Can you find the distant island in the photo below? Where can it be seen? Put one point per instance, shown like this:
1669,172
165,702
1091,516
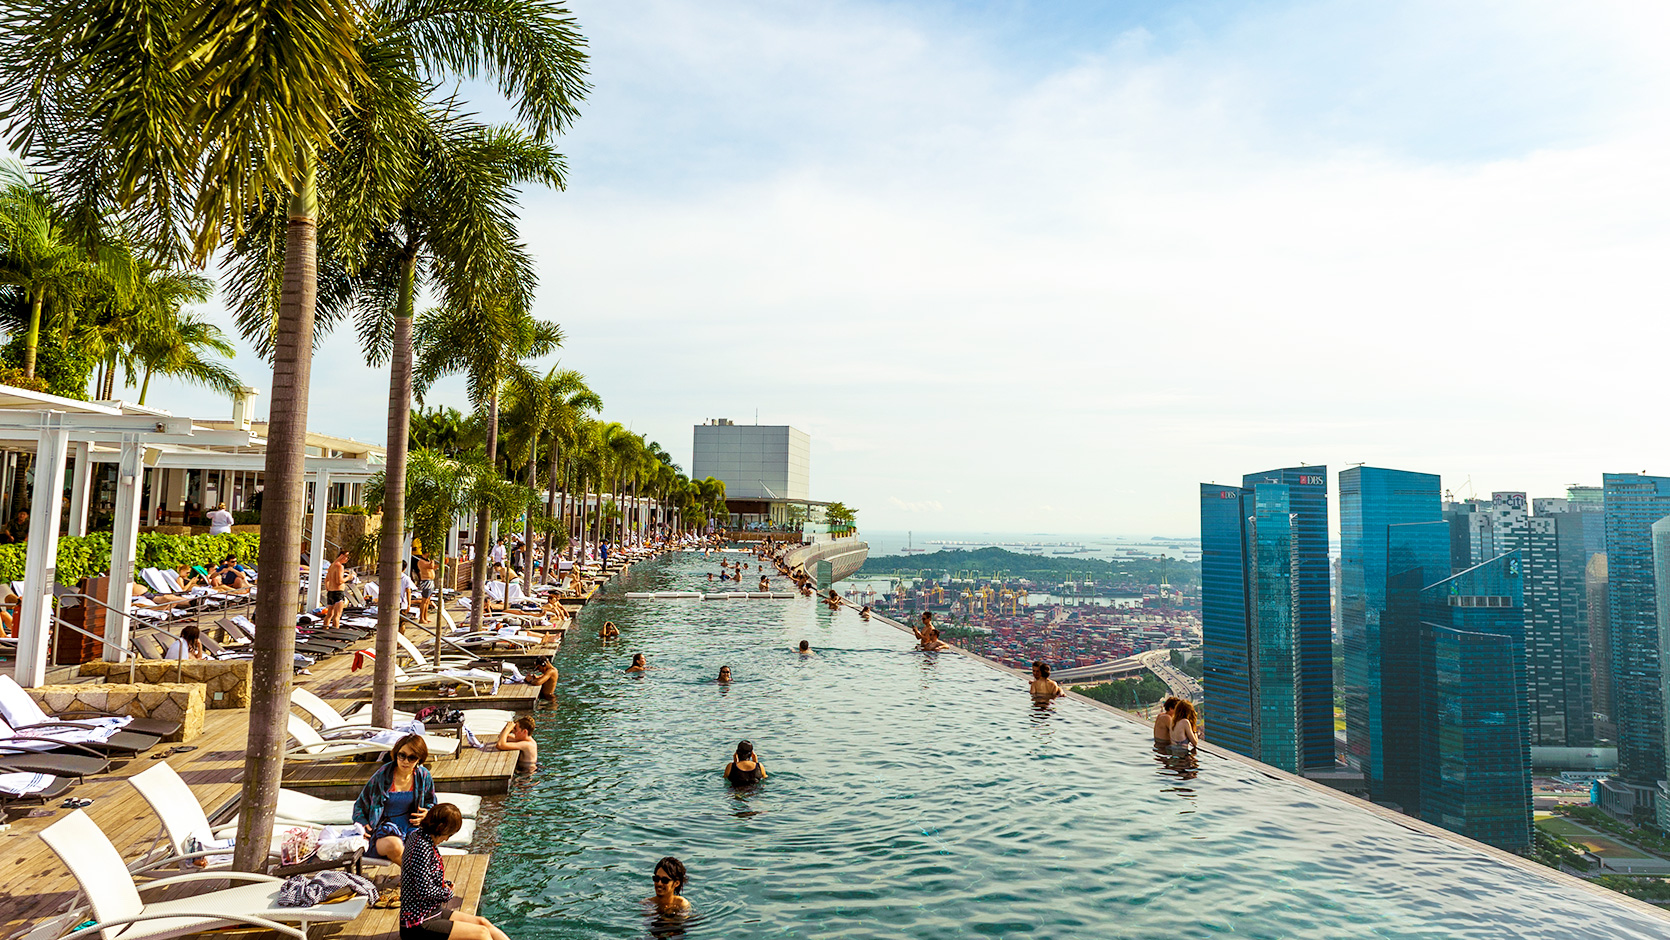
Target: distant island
988,562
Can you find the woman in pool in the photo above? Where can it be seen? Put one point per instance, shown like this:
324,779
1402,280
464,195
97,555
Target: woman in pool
396,798
638,664
609,631
744,768
1184,734
669,880
724,673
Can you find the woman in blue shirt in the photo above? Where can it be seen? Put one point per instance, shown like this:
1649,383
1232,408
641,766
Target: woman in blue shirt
396,798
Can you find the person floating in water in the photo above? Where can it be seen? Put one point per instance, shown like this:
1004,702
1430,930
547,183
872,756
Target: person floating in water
806,648
744,768
928,637
609,631
669,880
637,663
1162,722
724,673
1043,687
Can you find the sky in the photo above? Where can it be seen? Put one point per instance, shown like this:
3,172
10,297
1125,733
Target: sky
1044,266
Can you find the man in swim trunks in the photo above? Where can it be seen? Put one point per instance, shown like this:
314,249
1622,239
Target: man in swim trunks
425,583
336,589
1162,722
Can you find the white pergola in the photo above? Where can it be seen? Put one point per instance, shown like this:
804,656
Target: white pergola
111,433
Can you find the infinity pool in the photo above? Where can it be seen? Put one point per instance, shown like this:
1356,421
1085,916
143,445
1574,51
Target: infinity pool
925,796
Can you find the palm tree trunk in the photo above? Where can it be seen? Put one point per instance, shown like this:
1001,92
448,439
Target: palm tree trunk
392,542
281,529
30,345
145,388
527,526
484,516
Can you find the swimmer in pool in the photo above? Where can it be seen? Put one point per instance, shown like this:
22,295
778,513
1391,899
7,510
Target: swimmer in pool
609,631
1043,687
765,583
865,612
744,767
928,637
806,648
724,674
669,880
637,663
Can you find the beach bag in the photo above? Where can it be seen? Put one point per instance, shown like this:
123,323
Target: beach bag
299,846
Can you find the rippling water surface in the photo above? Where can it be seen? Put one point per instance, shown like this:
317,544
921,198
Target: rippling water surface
925,796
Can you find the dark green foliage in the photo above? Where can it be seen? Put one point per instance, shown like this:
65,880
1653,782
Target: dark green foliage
1044,569
1553,851
85,556
1127,693
1656,890
1194,668
64,367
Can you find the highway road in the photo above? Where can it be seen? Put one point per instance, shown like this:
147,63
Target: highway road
1156,661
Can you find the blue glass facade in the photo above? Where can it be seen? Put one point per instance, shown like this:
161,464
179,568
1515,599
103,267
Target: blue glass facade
1313,613
1266,617
1372,499
1475,758
1417,554
1275,679
1225,651
1633,502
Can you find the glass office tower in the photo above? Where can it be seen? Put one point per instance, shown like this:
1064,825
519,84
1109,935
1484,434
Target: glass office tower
1633,502
1308,502
1371,499
1475,759
1266,617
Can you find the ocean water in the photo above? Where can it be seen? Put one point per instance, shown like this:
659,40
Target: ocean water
925,796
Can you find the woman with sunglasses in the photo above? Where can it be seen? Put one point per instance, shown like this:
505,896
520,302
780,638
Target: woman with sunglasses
669,878
396,798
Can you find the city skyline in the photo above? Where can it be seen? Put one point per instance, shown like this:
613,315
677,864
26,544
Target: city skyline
1010,225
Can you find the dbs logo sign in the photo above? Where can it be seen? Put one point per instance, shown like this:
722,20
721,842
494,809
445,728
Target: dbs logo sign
1226,494
1305,480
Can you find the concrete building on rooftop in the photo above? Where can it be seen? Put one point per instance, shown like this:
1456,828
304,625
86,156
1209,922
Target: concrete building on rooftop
767,469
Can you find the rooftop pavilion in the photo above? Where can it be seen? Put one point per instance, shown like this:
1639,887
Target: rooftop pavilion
111,465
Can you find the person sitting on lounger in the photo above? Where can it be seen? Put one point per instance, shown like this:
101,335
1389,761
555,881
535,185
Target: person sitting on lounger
424,891
189,645
396,798
229,579
518,736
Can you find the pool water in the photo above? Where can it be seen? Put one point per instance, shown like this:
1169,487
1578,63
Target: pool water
925,796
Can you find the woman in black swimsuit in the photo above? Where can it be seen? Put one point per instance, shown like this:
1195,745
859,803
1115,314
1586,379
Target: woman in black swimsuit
744,769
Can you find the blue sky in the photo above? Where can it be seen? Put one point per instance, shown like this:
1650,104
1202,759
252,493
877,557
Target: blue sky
1042,266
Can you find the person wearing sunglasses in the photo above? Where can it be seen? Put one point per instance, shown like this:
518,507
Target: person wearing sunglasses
396,798
669,879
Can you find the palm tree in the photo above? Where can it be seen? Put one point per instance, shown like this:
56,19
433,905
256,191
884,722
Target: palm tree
38,256
174,347
189,117
487,343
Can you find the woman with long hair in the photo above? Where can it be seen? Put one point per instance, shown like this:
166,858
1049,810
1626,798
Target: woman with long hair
396,798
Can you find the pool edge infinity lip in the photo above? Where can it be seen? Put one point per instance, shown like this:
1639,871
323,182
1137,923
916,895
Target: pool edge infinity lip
1355,803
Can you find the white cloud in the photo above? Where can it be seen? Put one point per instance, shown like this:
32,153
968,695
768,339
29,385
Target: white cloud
1090,276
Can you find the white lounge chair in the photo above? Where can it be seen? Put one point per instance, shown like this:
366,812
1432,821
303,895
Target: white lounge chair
332,726
121,914
422,661
310,745
296,808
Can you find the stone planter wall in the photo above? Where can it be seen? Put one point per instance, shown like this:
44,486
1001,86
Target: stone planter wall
225,681
164,701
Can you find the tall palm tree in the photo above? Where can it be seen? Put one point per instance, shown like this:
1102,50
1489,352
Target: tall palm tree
188,117
487,343
38,256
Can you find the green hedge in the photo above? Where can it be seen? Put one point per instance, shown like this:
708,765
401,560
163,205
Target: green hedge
84,556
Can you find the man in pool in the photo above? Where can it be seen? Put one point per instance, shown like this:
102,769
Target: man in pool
927,638
669,880
543,675
765,583
518,736
1043,687
1162,722
806,648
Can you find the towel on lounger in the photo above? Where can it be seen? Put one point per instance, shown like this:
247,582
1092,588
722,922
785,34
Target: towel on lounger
308,890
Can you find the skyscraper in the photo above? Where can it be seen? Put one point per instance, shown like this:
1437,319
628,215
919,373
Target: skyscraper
1265,616
1475,754
1633,502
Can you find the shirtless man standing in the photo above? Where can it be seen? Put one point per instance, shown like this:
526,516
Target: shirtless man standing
1043,687
336,588
425,584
